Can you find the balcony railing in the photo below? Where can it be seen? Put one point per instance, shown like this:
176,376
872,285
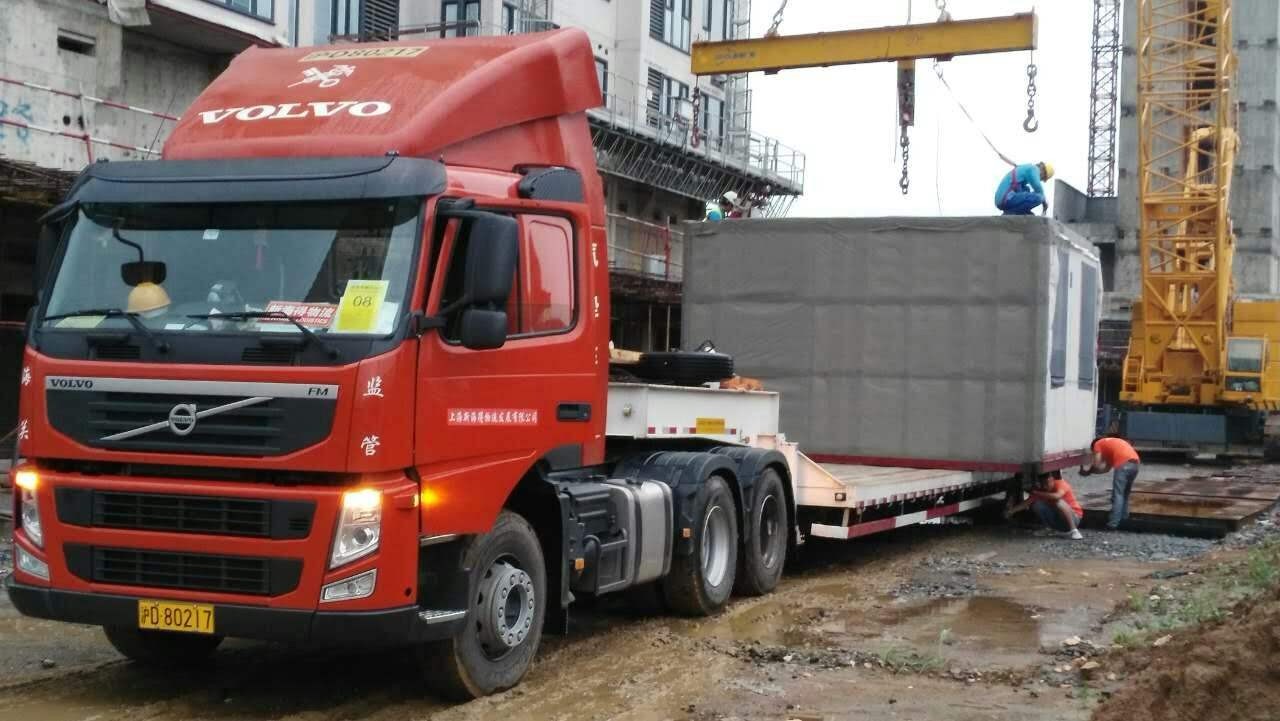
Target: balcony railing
646,249
745,150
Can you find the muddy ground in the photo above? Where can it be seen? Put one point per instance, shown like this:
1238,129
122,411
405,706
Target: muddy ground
935,622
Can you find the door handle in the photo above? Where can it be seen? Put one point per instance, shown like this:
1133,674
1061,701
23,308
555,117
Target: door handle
573,412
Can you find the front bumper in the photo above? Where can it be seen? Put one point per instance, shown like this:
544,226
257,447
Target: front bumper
391,627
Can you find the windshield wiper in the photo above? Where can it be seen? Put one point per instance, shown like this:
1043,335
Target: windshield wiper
310,335
138,325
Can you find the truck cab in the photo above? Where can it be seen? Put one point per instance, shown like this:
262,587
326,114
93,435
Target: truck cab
279,382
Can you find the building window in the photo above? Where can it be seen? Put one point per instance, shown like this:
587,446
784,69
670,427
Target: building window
708,11
264,9
602,75
721,19
379,19
712,121
668,100
459,18
510,18
670,21
344,19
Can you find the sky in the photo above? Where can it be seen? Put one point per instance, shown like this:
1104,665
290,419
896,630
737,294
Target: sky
845,118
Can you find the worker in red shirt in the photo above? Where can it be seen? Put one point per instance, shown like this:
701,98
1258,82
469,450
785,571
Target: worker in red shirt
1055,504
1115,455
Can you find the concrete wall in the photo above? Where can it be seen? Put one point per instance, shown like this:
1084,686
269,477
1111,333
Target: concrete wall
29,51
123,65
1255,204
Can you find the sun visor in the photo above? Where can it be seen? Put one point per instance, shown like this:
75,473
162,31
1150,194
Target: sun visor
259,180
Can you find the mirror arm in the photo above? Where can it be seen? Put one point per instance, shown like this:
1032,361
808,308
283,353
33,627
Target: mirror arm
419,323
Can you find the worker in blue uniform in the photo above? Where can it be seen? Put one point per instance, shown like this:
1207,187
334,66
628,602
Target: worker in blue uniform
1020,191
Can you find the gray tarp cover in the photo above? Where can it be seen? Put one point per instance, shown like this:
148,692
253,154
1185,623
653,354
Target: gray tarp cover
887,337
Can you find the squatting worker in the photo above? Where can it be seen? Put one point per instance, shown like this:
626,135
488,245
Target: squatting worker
1020,191
1055,504
1117,456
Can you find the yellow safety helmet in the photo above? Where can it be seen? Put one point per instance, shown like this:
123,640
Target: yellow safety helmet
1048,169
146,297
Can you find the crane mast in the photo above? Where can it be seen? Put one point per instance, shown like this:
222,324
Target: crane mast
1187,147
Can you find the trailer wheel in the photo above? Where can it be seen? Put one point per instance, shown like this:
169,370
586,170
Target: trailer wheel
161,649
700,583
764,541
496,647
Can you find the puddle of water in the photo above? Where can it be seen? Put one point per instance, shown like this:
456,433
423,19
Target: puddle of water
982,620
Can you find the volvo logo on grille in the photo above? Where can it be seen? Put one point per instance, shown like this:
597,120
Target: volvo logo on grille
182,419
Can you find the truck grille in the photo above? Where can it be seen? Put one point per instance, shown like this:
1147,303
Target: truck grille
252,430
208,515
188,571
191,417
193,514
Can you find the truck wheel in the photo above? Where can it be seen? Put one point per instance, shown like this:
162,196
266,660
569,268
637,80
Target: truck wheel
764,542
496,647
161,648
700,582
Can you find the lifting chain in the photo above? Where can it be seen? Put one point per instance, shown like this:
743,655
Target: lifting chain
695,135
1031,124
943,15
904,142
777,20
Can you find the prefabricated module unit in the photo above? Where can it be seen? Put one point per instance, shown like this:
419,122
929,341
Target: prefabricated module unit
336,370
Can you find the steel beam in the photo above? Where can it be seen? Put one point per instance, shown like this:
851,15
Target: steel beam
941,40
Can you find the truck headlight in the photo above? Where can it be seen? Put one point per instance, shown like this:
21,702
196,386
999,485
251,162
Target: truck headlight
29,506
359,526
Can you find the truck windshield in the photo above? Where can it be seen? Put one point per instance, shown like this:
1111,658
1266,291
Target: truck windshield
334,268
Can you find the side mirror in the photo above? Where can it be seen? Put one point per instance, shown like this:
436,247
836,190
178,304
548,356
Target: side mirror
493,247
483,329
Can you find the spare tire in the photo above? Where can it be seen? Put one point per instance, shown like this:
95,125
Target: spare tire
685,368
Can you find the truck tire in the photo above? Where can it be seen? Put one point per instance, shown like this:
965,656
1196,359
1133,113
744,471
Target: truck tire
701,582
764,540
507,605
685,368
161,649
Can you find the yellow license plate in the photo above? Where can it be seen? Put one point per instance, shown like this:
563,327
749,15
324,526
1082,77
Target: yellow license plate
175,616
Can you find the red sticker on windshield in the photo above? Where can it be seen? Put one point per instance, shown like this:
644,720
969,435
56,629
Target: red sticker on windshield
312,315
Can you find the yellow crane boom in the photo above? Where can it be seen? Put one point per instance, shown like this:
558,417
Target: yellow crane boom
869,45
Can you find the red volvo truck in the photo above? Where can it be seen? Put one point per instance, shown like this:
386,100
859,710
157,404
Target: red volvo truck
336,370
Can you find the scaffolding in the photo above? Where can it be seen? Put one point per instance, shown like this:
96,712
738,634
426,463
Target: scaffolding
1103,98
664,149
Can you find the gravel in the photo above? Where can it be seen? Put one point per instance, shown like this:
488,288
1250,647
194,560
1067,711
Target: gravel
1265,528
1120,544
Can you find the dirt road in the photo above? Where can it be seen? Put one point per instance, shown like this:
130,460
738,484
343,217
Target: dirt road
954,622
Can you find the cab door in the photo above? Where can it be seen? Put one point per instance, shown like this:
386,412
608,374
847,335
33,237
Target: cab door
486,417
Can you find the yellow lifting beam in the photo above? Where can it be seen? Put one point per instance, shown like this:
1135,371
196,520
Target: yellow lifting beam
942,40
